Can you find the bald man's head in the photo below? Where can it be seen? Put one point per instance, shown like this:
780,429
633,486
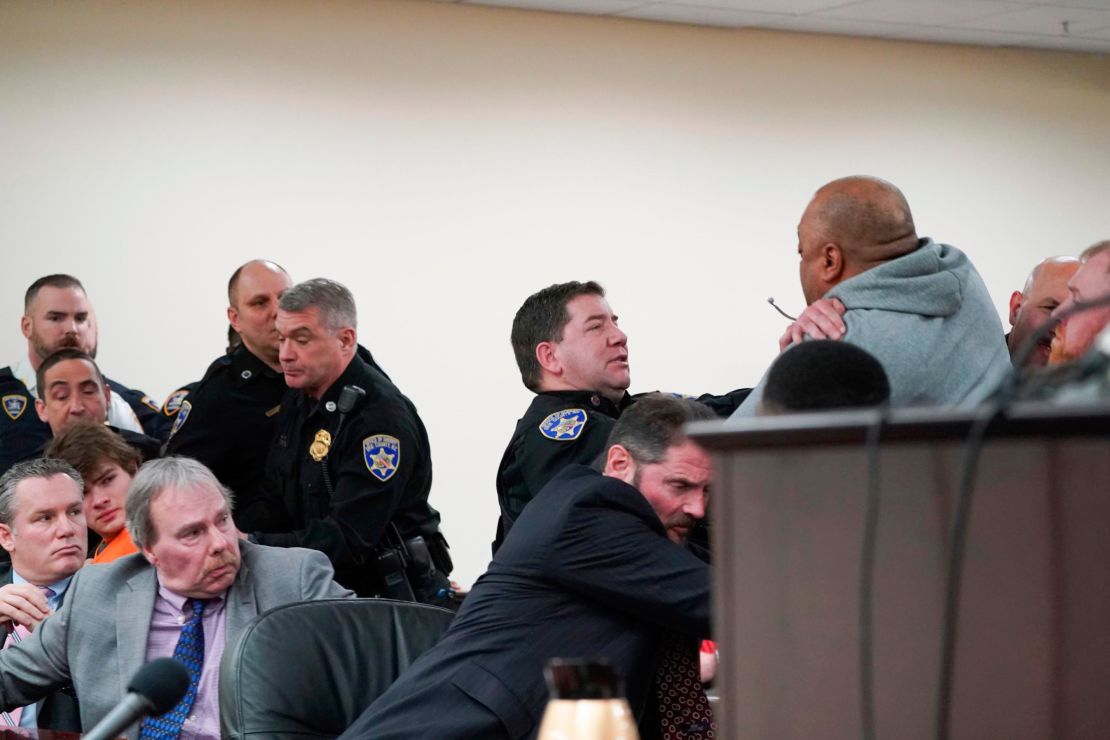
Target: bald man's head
253,293
1045,289
851,225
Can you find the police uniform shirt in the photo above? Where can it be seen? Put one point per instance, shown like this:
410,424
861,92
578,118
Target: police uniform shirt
22,433
227,422
379,472
146,409
558,429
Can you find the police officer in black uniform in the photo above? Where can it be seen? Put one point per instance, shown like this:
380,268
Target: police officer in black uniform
351,458
573,355
228,419
22,433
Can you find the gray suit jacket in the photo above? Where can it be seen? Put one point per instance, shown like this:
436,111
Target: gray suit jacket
58,711
98,639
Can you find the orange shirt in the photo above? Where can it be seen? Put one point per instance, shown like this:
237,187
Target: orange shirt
116,547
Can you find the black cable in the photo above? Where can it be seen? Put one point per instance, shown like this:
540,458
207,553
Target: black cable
867,575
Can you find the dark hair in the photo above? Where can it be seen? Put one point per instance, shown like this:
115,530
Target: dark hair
542,318
821,375
39,467
61,355
654,424
59,280
88,446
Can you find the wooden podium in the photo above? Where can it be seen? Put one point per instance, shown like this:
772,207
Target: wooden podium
1033,654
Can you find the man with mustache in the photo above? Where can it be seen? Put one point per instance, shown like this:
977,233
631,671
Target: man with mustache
56,314
1045,289
188,593
42,527
595,566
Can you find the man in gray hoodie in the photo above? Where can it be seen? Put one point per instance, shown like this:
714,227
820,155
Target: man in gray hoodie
920,307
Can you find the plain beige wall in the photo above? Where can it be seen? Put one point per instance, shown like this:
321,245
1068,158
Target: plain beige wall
445,161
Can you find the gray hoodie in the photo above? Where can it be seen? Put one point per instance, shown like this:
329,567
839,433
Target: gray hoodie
929,320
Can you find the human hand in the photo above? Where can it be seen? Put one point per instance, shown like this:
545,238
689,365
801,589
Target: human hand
22,603
822,319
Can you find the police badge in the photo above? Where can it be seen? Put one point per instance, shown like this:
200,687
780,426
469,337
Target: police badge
382,454
565,425
182,415
320,445
14,405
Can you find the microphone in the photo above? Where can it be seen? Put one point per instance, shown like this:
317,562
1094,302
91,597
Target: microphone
348,397
155,689
775,306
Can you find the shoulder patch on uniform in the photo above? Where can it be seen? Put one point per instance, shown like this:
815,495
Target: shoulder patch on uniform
14,405
182,415
382,454
565,425
173,402
150,404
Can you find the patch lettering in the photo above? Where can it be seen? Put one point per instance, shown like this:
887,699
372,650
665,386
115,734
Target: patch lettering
565,425
382,454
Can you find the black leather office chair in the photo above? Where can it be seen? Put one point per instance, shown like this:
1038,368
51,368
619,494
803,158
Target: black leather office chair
308,670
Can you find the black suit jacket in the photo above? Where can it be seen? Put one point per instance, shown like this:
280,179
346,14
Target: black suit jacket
60,710
587,571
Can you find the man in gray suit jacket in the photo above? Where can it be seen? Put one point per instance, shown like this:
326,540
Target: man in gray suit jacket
192,570
42,528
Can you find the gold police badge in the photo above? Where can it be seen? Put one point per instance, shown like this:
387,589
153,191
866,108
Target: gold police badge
320,446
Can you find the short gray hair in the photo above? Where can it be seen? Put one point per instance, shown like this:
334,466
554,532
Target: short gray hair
332,299
155,477
42,467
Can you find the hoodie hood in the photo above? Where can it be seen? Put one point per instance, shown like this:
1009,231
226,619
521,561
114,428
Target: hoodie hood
929,281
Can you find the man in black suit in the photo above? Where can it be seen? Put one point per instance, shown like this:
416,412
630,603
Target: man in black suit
594,567
42,526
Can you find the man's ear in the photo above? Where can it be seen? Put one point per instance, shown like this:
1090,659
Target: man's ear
40,408
348,338
832,263
6,539
233,318
25,326
148,554
107,398
545,355
619,464
1015,306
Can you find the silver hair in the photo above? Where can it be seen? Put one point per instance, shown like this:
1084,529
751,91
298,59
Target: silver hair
42,467
153,478
332,299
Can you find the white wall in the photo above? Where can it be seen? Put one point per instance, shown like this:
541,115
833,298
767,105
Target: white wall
446,161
